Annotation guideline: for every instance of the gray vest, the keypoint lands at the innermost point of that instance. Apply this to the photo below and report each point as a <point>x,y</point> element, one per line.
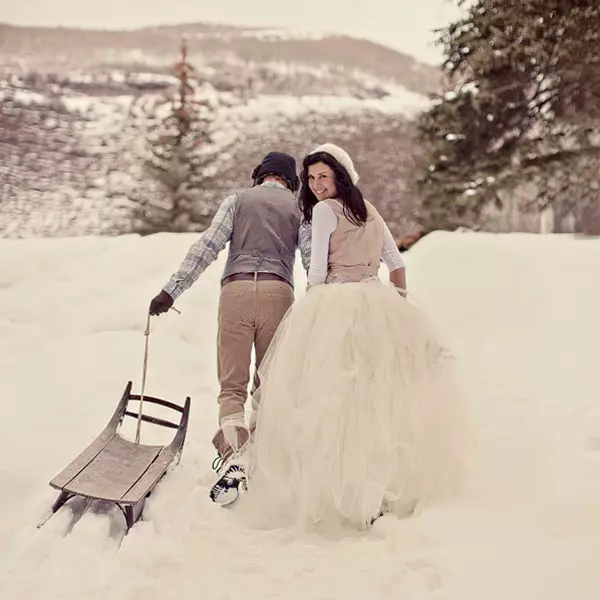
<point>265,233</point>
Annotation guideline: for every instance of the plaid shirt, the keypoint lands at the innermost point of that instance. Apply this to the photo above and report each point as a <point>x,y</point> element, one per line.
<point>205,251</point>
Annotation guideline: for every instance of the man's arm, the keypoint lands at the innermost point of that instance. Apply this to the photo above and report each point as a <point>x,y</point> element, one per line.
<point>304,242</point>
<point>205,251</point>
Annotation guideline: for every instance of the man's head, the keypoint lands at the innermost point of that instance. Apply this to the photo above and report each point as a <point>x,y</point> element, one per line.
<point>278,165</point>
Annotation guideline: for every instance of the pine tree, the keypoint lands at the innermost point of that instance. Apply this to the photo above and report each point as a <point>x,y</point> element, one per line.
<point>181,153</point>
<point>523,109</point>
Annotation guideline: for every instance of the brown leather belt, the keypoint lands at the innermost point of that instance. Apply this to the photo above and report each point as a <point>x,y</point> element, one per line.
<point>252,276</point>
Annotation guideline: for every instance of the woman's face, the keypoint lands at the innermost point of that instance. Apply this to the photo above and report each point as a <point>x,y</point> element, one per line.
<point>321,181</point>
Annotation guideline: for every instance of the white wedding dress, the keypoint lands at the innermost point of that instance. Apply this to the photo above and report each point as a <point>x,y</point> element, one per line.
<point>358,411</point>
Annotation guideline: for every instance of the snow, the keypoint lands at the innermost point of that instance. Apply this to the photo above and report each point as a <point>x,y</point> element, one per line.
<point>265,33</point>
<point>401,101</point>
<point>24,97</point>
<point>454,137</point>
<point>295,33</point>
<point>519,311</point>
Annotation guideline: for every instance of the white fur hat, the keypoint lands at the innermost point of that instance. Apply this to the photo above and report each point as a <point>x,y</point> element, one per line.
<point>341,156</point>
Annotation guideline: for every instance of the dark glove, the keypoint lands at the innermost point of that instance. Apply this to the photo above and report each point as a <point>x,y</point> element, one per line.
<point>161,303</point>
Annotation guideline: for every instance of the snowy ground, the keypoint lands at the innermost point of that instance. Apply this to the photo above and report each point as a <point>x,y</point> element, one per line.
<point>521,313</point>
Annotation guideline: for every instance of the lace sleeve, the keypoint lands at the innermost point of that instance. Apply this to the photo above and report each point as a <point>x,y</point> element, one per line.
<point>389,252</point>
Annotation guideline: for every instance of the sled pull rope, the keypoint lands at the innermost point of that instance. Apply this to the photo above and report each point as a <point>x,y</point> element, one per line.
<point>144,372</point>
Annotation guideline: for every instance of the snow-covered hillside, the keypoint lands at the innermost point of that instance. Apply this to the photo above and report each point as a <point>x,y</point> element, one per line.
<point>76,107</point>
<point>232,53</point>
<point>73,161</point>
<point>520,313</point>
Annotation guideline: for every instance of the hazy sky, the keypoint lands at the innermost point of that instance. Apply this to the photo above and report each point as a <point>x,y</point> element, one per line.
<point>402,24</point>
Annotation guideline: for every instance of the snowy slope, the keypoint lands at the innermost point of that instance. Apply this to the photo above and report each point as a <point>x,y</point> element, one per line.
<point>519,311</point>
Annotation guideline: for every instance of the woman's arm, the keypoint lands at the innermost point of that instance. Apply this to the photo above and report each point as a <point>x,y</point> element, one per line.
<point>398,278</point>
<point>324,223</point>
<point>393,260</point>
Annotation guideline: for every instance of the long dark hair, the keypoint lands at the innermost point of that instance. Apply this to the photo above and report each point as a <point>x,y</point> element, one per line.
<point>351,197</point>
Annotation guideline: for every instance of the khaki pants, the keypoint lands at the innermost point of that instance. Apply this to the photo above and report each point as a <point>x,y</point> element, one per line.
<point>249,314</point>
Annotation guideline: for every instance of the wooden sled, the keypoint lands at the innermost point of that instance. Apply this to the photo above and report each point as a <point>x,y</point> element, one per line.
<point>116,470</point>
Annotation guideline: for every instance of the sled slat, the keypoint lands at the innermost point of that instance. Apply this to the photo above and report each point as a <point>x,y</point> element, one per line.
<point>152,400</point>
<point>153,420</point>
<point>110,474</point>
<point>149,479</point>
<point>82,461</point>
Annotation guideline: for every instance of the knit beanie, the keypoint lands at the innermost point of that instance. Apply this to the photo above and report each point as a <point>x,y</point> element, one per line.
<point>341,156</point>
<point>277,163</point>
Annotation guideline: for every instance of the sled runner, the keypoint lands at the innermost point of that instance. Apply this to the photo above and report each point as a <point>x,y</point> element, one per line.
<point>116,470</point>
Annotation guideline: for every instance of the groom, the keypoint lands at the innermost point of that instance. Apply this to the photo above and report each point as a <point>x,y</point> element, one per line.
<point>263,228</point>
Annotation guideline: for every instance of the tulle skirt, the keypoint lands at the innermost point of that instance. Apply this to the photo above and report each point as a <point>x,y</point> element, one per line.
<point>358,410</point>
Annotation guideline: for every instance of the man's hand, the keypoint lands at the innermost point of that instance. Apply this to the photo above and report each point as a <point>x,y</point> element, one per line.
<point>161,303</point>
